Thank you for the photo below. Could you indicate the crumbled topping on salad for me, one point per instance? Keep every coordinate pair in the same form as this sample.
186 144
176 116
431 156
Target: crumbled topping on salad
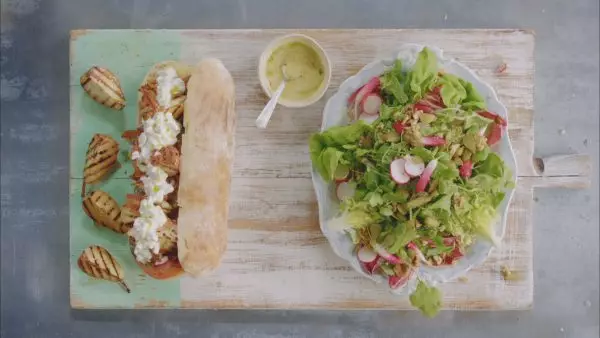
421 181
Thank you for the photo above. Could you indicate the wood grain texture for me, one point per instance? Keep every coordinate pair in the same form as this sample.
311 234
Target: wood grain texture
277 257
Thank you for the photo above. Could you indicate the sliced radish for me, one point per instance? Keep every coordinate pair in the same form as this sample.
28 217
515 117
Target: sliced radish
371 103
366 255
345 190
398 171
399 127
494 117
368 118
466 169
396 282
426 176
372 266
494 133
422 107
453 256
414 166
342 173
433 141
353 96
381 251
368 88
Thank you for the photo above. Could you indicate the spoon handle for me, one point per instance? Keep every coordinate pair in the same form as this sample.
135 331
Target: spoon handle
265 115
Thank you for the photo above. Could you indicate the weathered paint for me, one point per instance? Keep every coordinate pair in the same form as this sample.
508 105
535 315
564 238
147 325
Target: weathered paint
129 55
276 256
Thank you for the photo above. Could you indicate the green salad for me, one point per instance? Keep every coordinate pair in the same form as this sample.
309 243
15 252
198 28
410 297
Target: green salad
415 173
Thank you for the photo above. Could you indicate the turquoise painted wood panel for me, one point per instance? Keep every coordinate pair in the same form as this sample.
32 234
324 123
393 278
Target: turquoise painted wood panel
129 55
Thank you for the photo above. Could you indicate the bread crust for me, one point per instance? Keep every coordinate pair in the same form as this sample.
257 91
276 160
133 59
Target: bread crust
206 165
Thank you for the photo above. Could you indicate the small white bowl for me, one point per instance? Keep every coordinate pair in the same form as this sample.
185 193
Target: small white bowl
262 69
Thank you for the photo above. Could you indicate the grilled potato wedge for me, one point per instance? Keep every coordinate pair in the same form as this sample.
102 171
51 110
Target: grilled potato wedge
104 210
97 262
130 211
101 157
104 87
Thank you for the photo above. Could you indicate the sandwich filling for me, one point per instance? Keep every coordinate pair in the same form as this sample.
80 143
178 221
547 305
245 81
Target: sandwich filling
160 130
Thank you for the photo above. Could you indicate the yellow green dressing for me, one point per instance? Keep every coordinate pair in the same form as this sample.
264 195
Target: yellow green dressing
303 68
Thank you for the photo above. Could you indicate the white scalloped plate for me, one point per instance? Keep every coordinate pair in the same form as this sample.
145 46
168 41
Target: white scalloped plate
334 114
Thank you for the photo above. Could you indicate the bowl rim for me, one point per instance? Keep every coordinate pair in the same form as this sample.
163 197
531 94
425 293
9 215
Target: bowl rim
438 275
312 43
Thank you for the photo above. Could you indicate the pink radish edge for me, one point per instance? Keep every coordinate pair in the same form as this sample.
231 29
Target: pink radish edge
368 88
386 255
414 166
398 171
433 140
466 169
426 176
371 103
399 127
396 282
366 255
372 266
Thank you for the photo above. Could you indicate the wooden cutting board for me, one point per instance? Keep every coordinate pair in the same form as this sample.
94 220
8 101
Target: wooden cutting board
277 257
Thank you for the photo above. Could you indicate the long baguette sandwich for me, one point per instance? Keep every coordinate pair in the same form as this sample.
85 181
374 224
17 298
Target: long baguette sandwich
182 154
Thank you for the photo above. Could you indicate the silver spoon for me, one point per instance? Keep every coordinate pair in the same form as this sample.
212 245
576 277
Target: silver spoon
263 119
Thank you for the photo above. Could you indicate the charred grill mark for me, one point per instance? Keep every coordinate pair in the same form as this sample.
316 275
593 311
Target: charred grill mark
102 153
103 210
86 209
99 157
94 174
113 90
97 262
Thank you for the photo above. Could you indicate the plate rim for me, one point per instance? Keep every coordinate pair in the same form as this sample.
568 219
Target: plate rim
349 85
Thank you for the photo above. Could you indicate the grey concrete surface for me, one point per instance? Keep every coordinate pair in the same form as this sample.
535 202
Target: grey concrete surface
34 154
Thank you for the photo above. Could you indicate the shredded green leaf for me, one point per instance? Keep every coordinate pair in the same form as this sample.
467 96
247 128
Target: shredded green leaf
427 299
452 207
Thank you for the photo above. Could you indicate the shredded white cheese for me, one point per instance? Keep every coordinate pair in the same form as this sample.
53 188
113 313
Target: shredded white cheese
168 84
159 131
155 184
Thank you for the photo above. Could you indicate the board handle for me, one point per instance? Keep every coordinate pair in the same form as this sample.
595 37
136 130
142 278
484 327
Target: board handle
563 171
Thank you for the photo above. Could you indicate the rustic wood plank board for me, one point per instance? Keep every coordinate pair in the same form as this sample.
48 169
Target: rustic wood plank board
277 257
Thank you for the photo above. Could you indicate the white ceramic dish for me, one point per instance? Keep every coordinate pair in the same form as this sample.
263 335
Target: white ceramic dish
262 66
335 114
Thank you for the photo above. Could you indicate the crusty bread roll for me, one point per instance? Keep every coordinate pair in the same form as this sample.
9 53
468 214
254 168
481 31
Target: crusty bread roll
206 162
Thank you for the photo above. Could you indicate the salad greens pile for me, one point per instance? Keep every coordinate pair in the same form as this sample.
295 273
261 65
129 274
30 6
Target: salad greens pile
429 119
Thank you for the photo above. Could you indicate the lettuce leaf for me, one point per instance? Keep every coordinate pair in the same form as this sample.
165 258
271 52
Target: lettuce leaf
473 100
328 162
427 299
323 147
442 203
423 76
342 135
452 92
393 83
492 166
403 234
